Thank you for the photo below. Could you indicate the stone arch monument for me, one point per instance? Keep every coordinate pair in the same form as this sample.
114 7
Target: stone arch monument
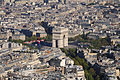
60 37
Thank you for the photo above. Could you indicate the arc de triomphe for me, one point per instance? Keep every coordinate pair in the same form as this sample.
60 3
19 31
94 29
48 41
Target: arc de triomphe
60 37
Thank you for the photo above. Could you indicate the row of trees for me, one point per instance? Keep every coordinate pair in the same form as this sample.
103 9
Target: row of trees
47 38
32 38
95 43
90 73
22 42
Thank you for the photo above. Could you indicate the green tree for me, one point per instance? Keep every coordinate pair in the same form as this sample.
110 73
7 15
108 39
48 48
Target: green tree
90 77
92 71
31 38
49 37
65 51
97 77
75 61
86 74
72 52
86 66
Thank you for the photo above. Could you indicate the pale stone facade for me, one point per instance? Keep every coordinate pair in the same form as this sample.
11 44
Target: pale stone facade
60 37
